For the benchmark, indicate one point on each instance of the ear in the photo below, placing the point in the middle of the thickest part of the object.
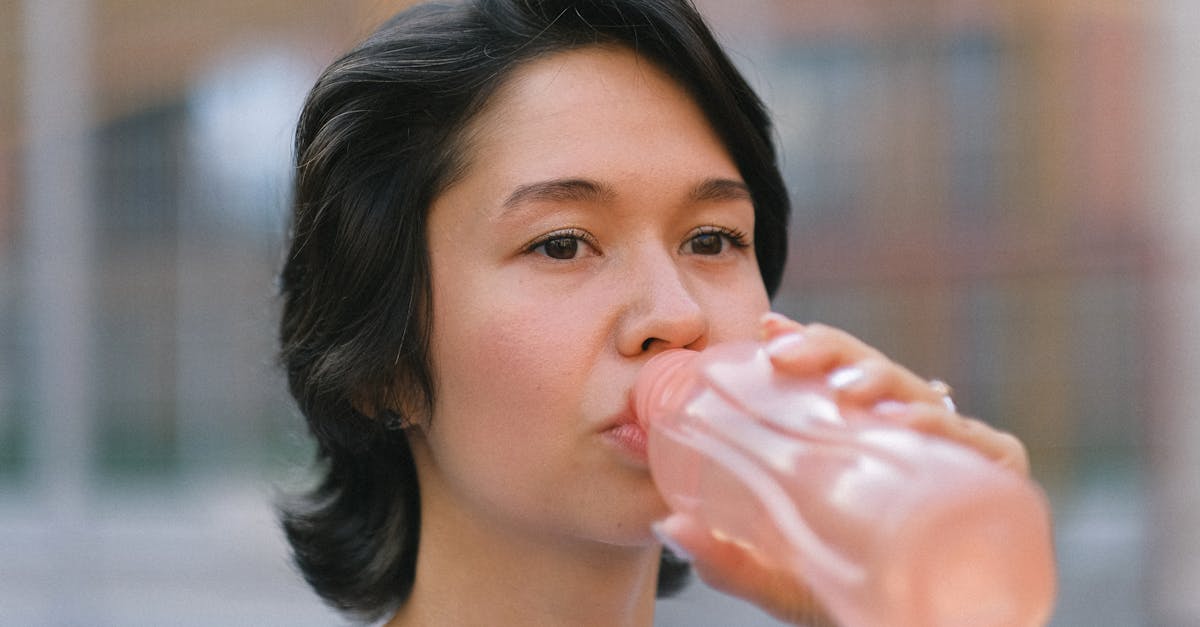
(393, 420)
(399, 407)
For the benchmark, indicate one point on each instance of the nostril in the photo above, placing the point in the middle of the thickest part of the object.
(646, 344)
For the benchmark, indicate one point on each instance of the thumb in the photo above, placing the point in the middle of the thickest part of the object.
(737, 569)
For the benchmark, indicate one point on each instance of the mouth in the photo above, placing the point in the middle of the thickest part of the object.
(625, 434)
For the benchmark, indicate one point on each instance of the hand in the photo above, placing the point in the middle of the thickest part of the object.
(862, 380)
(726, 566)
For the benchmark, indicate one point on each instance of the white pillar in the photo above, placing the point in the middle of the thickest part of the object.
(1174, 455)
(58, 221)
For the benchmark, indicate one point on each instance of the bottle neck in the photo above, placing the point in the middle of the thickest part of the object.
(660, 384)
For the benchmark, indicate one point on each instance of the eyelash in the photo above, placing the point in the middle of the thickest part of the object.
(736, 237)
(568, 233)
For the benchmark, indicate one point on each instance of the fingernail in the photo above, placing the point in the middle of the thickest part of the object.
(772, 323)
(890, 408)
(784, 345)
(659, 529)
(772, 317)
(843, 378)
(767, 323)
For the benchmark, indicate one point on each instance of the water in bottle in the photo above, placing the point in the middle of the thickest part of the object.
(888, 527)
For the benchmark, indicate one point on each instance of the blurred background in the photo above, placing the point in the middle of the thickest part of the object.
(1000, 194)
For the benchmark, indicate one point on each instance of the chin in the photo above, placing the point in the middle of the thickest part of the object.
(634, 529)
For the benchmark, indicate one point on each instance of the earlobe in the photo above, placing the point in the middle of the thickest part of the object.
(404, 410)
(401, 403)
(395, 411)
(393, 420)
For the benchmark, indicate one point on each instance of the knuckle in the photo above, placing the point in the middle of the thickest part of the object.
(822, 332)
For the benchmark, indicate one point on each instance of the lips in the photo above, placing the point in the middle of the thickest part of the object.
(630, 436)
(624, 432)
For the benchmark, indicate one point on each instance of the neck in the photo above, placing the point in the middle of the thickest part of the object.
(467, 576)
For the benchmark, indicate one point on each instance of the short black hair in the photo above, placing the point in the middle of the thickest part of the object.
(379, 137)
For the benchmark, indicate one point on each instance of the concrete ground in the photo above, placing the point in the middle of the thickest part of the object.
(214, 556)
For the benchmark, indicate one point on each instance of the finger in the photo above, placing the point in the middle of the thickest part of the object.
(817, 349)
(728, 566)
(773, 325)
(876, 379)
(936, 419)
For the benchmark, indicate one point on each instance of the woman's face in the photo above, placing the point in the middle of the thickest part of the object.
(599, 222)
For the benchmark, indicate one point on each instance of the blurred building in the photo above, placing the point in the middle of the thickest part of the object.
(975, 185)
(971, 185)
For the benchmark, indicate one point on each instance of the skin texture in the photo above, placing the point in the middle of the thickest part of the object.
(599, 221)
(534, 356)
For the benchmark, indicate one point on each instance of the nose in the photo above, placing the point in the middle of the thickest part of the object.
(663, 313)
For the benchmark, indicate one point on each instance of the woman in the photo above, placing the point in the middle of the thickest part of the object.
(503, 209)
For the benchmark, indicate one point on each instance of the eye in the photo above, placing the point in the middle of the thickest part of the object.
(711, 240)
(562, 245)
(707, 244)
(561, 248)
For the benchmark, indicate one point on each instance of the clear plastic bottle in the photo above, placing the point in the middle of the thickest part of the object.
(889, 527)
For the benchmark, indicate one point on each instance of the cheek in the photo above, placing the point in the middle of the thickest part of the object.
(501, 343)
(735, 310)
(504, 360)
(509, 396)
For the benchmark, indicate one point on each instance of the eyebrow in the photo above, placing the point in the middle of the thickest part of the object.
(586, 190)
(559, 190)
(720, 189)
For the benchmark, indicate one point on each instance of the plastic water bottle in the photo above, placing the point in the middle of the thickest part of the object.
(887, 526)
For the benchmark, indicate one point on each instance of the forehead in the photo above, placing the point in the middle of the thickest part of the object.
(585, 104)
(580, 76)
